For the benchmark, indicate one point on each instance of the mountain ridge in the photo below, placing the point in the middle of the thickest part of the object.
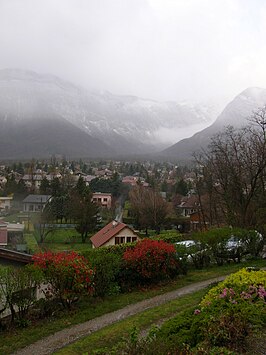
(236, 113)
(126, 124)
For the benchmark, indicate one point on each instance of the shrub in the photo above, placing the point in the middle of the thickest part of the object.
(182, 330)
(68, 275)
(253, 242)
(239, 281)
(234, 308)
(117, 249)
(168, 236)
(195, 254)
(107, 268)
(227, 244)
(32, 245)
(18, 291)
(150, 260)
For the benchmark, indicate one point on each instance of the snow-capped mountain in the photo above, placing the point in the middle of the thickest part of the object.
(124, 124)
(237, 114)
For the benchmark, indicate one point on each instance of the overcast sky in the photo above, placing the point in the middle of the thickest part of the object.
(193, 50)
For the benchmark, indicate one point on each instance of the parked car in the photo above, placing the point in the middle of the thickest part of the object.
(233, 243)
(186, 243)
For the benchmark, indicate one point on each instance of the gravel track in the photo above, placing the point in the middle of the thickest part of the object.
(69, 335)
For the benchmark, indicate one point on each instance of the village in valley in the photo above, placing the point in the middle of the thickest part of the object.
(28, 188)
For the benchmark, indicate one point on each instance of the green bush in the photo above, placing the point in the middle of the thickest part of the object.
(197, 254)
(107, 268)
(18, 291)
(117, 249)
(182, 329)
(216, 241)
(234, 308)
(169, 236)
(32, 245)
(253, 241)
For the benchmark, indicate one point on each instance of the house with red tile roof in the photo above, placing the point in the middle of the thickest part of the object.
(112, 234)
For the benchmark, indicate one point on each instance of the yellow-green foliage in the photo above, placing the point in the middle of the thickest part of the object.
(31, 242)
(169, 236)
(239, 281)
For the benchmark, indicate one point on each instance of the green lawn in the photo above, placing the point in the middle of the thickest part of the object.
(91, 308)
(66, 247)
(64, 239)
(69, 235)
(12, 218)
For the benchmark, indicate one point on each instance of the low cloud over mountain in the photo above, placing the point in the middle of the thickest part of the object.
(236, 114)
(42, 115)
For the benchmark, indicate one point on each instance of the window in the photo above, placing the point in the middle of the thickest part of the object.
(128, 239)
(134, 239)
(119, 240)
(105, 199)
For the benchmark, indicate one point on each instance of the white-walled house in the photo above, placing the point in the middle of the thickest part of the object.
(102, 199)
(35, 203)
(5, 203)
(114, 233)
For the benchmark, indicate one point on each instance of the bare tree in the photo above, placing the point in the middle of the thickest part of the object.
(149, 207)
(235, 164)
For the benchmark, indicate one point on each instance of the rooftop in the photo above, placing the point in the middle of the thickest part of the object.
(107, 232)
(37, 199)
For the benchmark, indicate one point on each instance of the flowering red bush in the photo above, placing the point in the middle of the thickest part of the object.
(68, 275)
(151, 259)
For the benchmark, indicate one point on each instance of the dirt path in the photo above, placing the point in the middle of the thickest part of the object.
(69, 335)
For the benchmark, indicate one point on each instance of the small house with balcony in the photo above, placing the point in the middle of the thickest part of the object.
(102, 199)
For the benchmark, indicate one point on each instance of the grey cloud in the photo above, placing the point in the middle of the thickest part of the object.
(162, 49)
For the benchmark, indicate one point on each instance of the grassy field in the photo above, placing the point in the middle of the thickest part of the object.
(12, 218)
(91, 308)
(64, 239)
(57, 240)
